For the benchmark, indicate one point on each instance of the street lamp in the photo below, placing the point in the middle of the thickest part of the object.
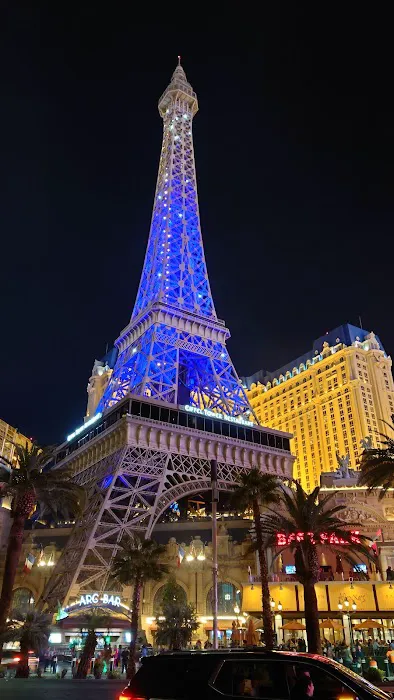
(272, 603)
(280, 606)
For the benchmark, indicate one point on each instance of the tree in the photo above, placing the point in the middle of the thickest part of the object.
(137, 562)
(29, 485)
(171, 592)
(306, 514)
(94, 619)
(177, 627)
(258, 490)
(31, 631)
(377, 464)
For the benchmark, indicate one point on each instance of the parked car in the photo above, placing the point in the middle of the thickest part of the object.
(228, 674)
(10, 659)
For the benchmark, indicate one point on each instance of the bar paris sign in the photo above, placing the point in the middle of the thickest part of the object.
(95, 599)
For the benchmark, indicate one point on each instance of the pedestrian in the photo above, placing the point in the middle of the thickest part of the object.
(54, 663)
(301, 646)
(303, 688)
(118, 651)
(389, 574)
(125, 659)
(330, 651)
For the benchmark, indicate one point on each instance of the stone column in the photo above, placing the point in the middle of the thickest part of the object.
(346, 628)
(277, 626)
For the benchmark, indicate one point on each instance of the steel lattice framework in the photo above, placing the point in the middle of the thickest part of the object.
(149, 467)
(174, 346)
(134, 465)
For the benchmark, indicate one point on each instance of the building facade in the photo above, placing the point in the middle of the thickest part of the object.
(329, 399)
(9, 438)
(347, 596)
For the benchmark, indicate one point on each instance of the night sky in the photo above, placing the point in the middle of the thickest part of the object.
(294, 153)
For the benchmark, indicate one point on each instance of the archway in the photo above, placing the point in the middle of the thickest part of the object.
(23, 600)
(179, 595)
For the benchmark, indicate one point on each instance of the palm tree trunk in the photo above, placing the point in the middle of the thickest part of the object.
(265, 591)
(87, 655)
(311, 617)
(131, 666)
(14, 549)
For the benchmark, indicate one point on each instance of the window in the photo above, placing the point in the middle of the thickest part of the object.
(23, 600)
(228, 597)
(326, 685)
(257, 679)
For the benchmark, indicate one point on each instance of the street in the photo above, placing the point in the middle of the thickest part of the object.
(56, 689)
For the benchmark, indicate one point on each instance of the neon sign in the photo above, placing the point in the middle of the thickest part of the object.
(321, 538)
(216, 414)
(94, 598)
(82, 427)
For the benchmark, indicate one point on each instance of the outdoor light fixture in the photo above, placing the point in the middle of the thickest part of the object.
(272, 603)
(280, 606)
(201, 557)
(354, 606)
(189, 557)
(346, 602)
(236, 609)
(340, 606)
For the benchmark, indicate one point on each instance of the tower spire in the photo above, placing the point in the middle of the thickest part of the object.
(174, 346)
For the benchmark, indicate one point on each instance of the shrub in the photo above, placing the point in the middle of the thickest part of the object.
(374, 675)
(113, 675)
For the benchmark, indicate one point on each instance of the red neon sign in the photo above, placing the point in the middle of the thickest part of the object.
(321, 538)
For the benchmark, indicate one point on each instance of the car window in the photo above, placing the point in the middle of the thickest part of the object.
(325, 685)
(252, 679)
(166, 677)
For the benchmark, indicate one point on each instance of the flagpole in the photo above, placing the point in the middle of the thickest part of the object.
(215, 498)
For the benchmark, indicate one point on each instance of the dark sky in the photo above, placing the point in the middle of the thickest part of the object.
(294, 152)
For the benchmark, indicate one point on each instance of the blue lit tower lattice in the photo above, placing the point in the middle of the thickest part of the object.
(174, 348)
(147, 450)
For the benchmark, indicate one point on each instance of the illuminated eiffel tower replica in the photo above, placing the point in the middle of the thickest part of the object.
(174, 400)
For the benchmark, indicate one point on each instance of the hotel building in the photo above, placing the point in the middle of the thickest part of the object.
(338, 393)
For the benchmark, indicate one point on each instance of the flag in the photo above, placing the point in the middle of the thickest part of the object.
(29, 561)
(377, 537)
(181, 554)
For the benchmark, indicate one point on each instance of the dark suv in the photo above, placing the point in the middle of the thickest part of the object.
(223, 675)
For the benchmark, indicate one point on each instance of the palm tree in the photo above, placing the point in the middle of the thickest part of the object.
(310, 517)
(96, 618)
(377, 464)
(177, 627)
(29, 485)
(32, 631)
(258, 490)
(137, 562)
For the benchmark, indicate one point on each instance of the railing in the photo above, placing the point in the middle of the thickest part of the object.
(323, 576)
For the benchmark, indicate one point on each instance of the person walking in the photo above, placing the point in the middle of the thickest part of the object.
(54, 663)
(125, 658)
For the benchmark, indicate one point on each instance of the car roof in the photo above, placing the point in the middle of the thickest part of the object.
(234, 653)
